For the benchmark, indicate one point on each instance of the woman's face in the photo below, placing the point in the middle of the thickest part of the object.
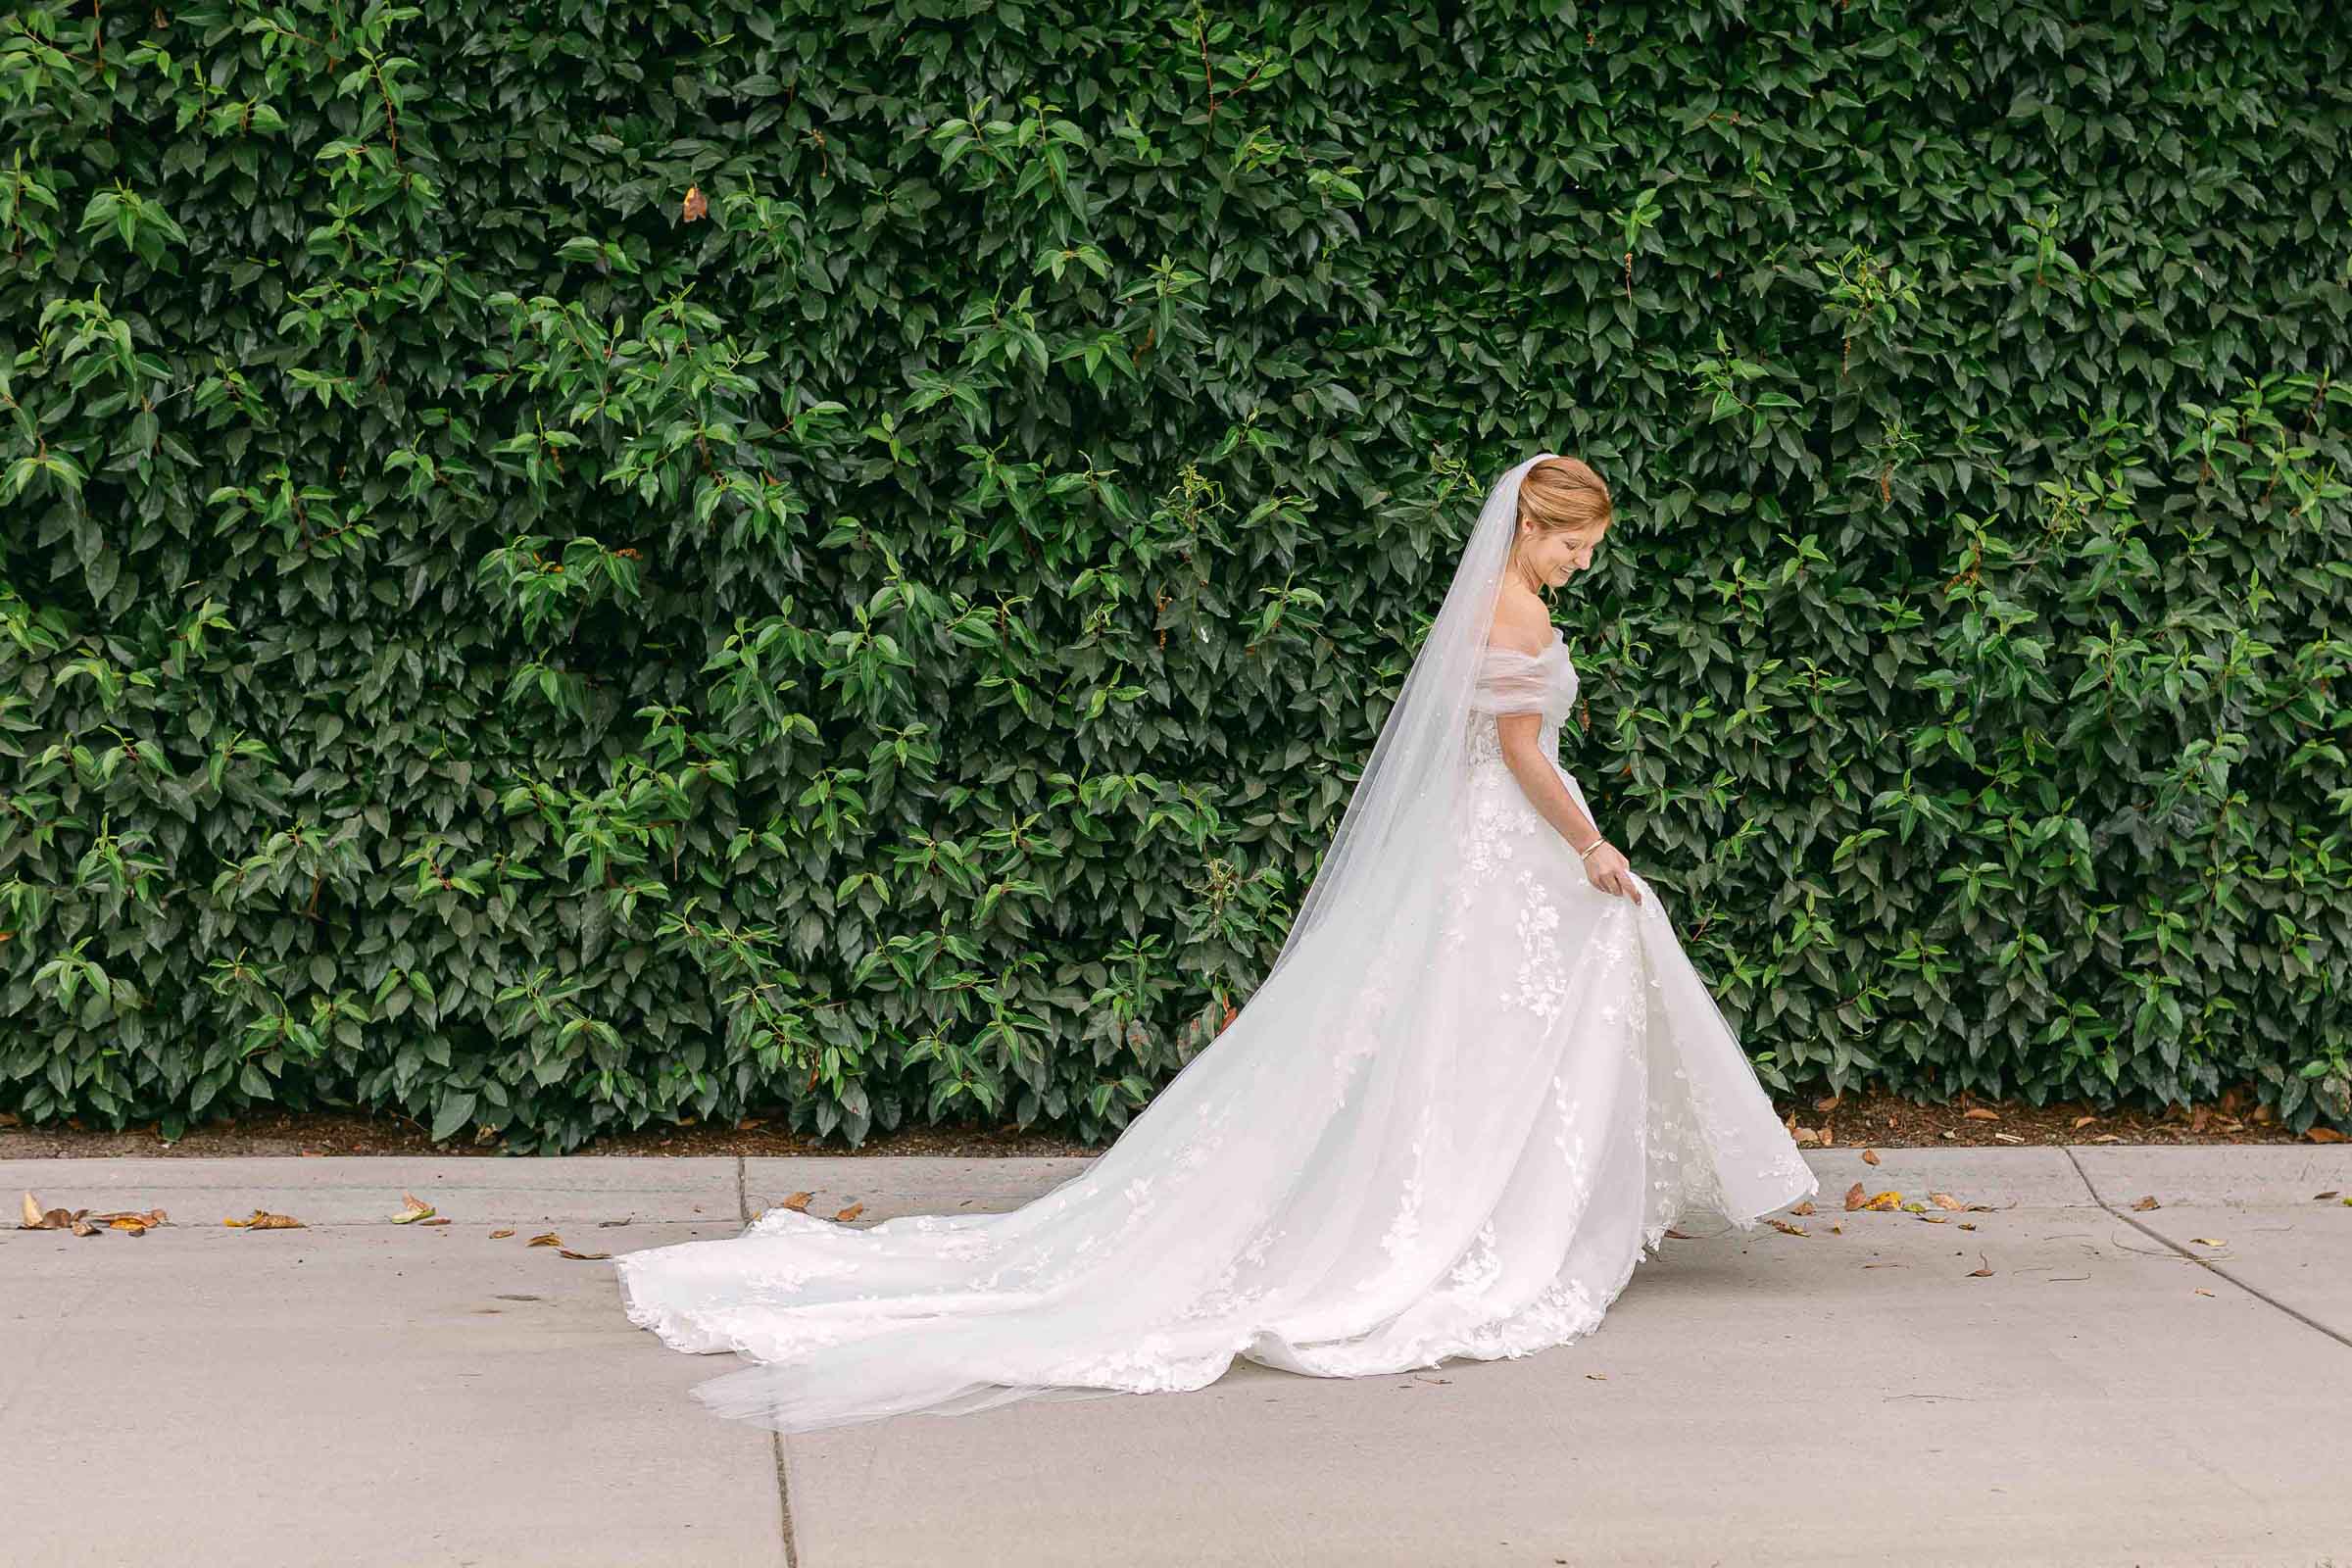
(1551, 558)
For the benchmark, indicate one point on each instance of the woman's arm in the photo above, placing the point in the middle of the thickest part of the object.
(1541, 784)
(1536, 776)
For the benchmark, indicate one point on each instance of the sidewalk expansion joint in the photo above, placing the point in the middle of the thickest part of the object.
(2205, 1263)
(776, 1440)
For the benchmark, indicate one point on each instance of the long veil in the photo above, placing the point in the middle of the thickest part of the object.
(1394, 826)
(1253, 1206)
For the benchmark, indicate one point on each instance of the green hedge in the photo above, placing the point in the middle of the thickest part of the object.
(568, 566)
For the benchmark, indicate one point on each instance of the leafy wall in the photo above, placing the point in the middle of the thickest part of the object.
(567, 565)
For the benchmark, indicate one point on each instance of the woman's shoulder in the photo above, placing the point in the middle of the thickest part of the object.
(1528, 639)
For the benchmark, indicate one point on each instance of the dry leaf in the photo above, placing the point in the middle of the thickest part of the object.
(1870, 1156)
(2202, 1291)
(2007, 1137)
(1979, 1113)
(500, 1236)
(749, 1122)
(2081, 1122)
(417, 1209)
(696, 204)
(1806, 1207)
(551, 1238)
(1784, 1228)
(2209, 1240)
(2322, 1197)
(1944, 1200)
(1854, 1198)
(798, 1200)
(443, 1220)
(2147, 1204)
(1967, 1224)
(2324, 1135)
(260, 1219)
(851, 1213)
(1890, 1199)
(2108, 1138)
(1981, 1273)
(585, 1258)
(32, 1214)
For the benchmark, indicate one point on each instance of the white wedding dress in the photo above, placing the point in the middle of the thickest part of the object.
(1449, 1124)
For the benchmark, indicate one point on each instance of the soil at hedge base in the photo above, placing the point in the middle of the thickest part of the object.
(1854, 1121)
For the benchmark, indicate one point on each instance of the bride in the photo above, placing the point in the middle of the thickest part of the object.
(1476, 1085)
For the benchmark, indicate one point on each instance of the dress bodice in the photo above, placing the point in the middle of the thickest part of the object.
(1512, 682)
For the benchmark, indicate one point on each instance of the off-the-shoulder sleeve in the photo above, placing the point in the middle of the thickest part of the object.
(1511, 682)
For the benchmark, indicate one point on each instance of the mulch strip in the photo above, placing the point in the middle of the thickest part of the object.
(1874, 1119)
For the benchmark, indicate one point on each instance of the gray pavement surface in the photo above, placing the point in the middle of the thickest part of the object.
(2123, 1387)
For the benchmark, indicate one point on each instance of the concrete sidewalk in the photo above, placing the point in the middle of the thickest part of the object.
(2124, 1388)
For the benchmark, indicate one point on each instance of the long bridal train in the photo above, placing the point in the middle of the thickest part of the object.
(1377, 1165)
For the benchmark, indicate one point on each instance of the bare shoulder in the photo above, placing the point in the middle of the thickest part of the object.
(1521, 623)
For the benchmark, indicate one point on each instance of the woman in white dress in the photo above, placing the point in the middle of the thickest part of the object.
(1478, 1082)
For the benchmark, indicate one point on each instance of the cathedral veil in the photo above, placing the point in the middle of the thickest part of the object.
(1394, 822)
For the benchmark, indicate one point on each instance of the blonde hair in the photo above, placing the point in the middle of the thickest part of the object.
(1563, 493)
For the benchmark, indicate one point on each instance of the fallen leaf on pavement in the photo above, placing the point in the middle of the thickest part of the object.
(799, 1201)
(1784, 1228)
(1870, 1156)
(1944, 1200)
(260, 1219)
(1981, 1273)
(589, 1258)
(415, 1209)
(37, 1218)
(551, 1238)
(2147, 1204)
(2209, 1240)
(500, 1235)
(851, 1213)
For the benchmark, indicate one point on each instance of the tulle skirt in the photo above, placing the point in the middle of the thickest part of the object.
(1455, 1138)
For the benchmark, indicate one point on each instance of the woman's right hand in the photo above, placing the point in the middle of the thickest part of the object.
(1606, 868)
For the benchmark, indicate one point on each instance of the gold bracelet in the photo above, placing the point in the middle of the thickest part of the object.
(1586, 852)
